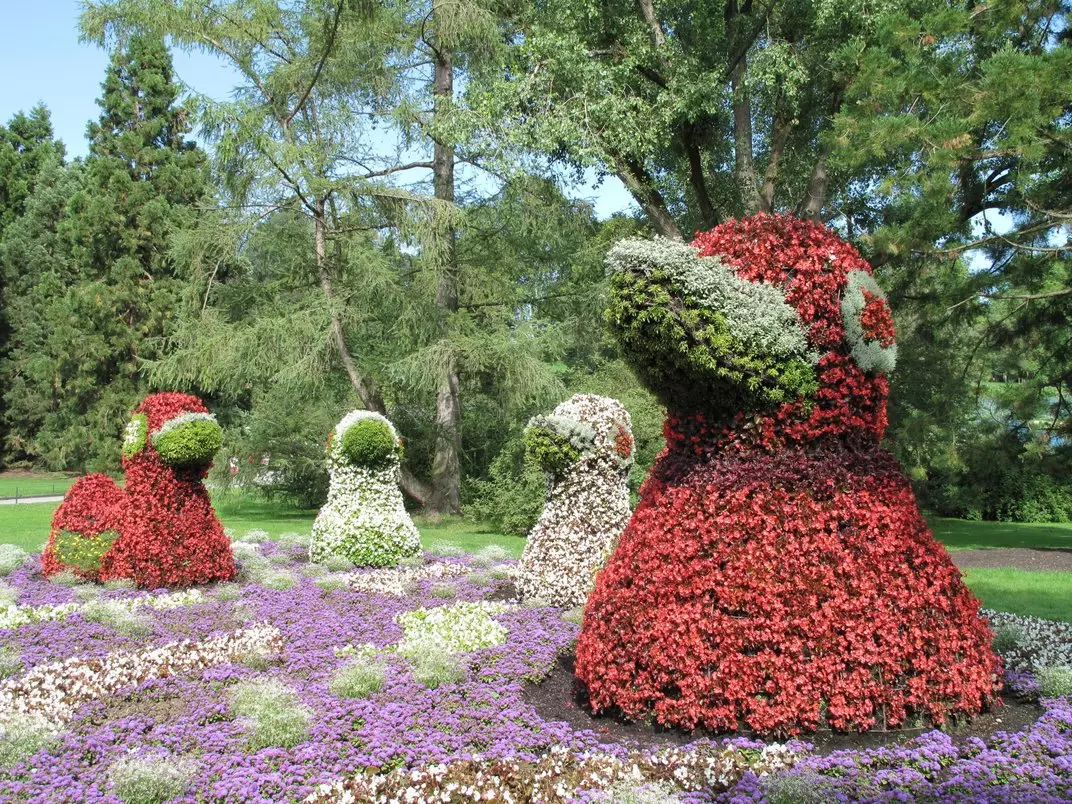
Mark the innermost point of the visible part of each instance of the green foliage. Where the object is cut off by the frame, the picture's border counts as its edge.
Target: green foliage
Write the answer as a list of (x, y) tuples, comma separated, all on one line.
[(370, 443), (688, 354), (272, 713), (84, 552), (136, 435), (113, 614), (191, 443), (10, 661), (434, 667), (512, 495), (555, 443), (359, 678), (11, 558), (100, 290), (796, 788), (1007, 637), (23, 736), (1054, 681), (150, 779)]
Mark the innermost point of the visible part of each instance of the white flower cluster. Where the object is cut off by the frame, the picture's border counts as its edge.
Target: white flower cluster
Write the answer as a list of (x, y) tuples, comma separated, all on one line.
[(396, 581), (13, 615), (461, 628), (869, 355), (55, 691), (364, 518), (560, 775), (178, 421), (1030, 643), (756, 313), (586, 511)]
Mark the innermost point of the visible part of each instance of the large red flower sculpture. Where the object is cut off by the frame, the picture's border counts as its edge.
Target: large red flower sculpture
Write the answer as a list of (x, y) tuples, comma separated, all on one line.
[(777, 574), (160, 529)]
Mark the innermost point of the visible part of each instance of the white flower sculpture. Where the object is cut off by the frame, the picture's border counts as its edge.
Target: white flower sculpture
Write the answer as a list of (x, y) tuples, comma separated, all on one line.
[(586, 447), (364, 519)]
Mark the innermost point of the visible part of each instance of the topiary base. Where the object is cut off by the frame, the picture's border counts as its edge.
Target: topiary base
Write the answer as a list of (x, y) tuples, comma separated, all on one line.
[(783, 593)]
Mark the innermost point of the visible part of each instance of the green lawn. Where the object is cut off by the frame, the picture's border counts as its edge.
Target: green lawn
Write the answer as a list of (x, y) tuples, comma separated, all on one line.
[(28, 525), (19, 484), (1039, 594), (960, 534)]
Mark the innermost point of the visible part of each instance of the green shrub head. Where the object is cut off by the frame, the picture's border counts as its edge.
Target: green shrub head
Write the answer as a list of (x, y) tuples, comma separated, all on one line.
[(370, 442), (188, 440), (555, 443), (700, 337)]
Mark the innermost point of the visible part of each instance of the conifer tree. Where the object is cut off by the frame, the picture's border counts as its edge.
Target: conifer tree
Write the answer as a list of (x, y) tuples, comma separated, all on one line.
[(27, 145), (142, 180)]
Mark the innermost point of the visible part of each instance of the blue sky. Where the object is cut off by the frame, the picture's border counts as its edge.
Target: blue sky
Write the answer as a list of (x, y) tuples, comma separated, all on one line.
[(42, 60)]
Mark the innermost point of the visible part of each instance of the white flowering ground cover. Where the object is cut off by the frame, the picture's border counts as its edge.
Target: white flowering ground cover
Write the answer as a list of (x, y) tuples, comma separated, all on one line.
[(304, 683)]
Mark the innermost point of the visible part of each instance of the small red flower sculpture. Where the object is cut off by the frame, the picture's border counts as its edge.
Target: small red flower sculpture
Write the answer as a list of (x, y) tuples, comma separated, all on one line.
[(777, 574), (160, 529)]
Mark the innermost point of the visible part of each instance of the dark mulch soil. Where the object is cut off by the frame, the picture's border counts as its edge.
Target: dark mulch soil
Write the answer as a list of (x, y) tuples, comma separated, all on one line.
[(558, 697), (504, 591), (1039, 559)]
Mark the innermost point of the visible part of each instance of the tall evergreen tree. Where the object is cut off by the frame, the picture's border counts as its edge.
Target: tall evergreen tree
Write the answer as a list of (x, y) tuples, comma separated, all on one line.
[(142, 181), (27, 144)]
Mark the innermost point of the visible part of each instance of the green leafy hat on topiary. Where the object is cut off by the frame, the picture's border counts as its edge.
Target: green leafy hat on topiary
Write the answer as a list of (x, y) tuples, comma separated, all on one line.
[(556, 442), (365, 438), (702, 337), (189, 439)]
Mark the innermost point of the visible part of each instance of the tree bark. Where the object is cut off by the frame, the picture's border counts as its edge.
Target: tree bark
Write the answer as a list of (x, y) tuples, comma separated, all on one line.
[(642, 188), (744, 169), (446, 463), (365, 389)]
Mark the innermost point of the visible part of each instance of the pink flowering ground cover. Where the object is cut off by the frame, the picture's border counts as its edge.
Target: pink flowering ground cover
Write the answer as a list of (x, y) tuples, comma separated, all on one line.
[(408, 741)]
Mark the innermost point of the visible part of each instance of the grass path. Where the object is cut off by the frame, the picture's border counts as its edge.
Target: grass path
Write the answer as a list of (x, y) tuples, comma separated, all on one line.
[(22, 484)]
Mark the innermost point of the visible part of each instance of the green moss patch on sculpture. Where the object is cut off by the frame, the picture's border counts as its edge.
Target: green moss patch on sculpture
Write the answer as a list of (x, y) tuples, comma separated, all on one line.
[(84, 552)]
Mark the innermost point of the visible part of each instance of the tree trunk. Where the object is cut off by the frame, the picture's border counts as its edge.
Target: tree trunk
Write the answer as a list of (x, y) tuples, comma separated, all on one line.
[(446, 465), (744, 169), (365, 389)]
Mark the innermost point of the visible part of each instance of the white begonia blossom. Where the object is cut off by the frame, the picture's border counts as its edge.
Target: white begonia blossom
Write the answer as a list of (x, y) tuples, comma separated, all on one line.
[(461, 628), (55, 691), (364, 518), (869, 355), (396, 580), (559, 775), (13, 615), (587, 508)]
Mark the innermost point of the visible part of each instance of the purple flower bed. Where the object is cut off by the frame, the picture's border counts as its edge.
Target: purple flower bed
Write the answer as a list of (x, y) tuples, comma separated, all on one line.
[(461, 731)]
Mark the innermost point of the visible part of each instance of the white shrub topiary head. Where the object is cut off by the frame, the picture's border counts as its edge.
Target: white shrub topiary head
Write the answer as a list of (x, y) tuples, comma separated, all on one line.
[(586, 446), (364, 520)]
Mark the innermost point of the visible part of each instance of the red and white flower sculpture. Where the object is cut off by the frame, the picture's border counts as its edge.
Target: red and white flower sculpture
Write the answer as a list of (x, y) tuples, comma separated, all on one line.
[(160, 529)]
